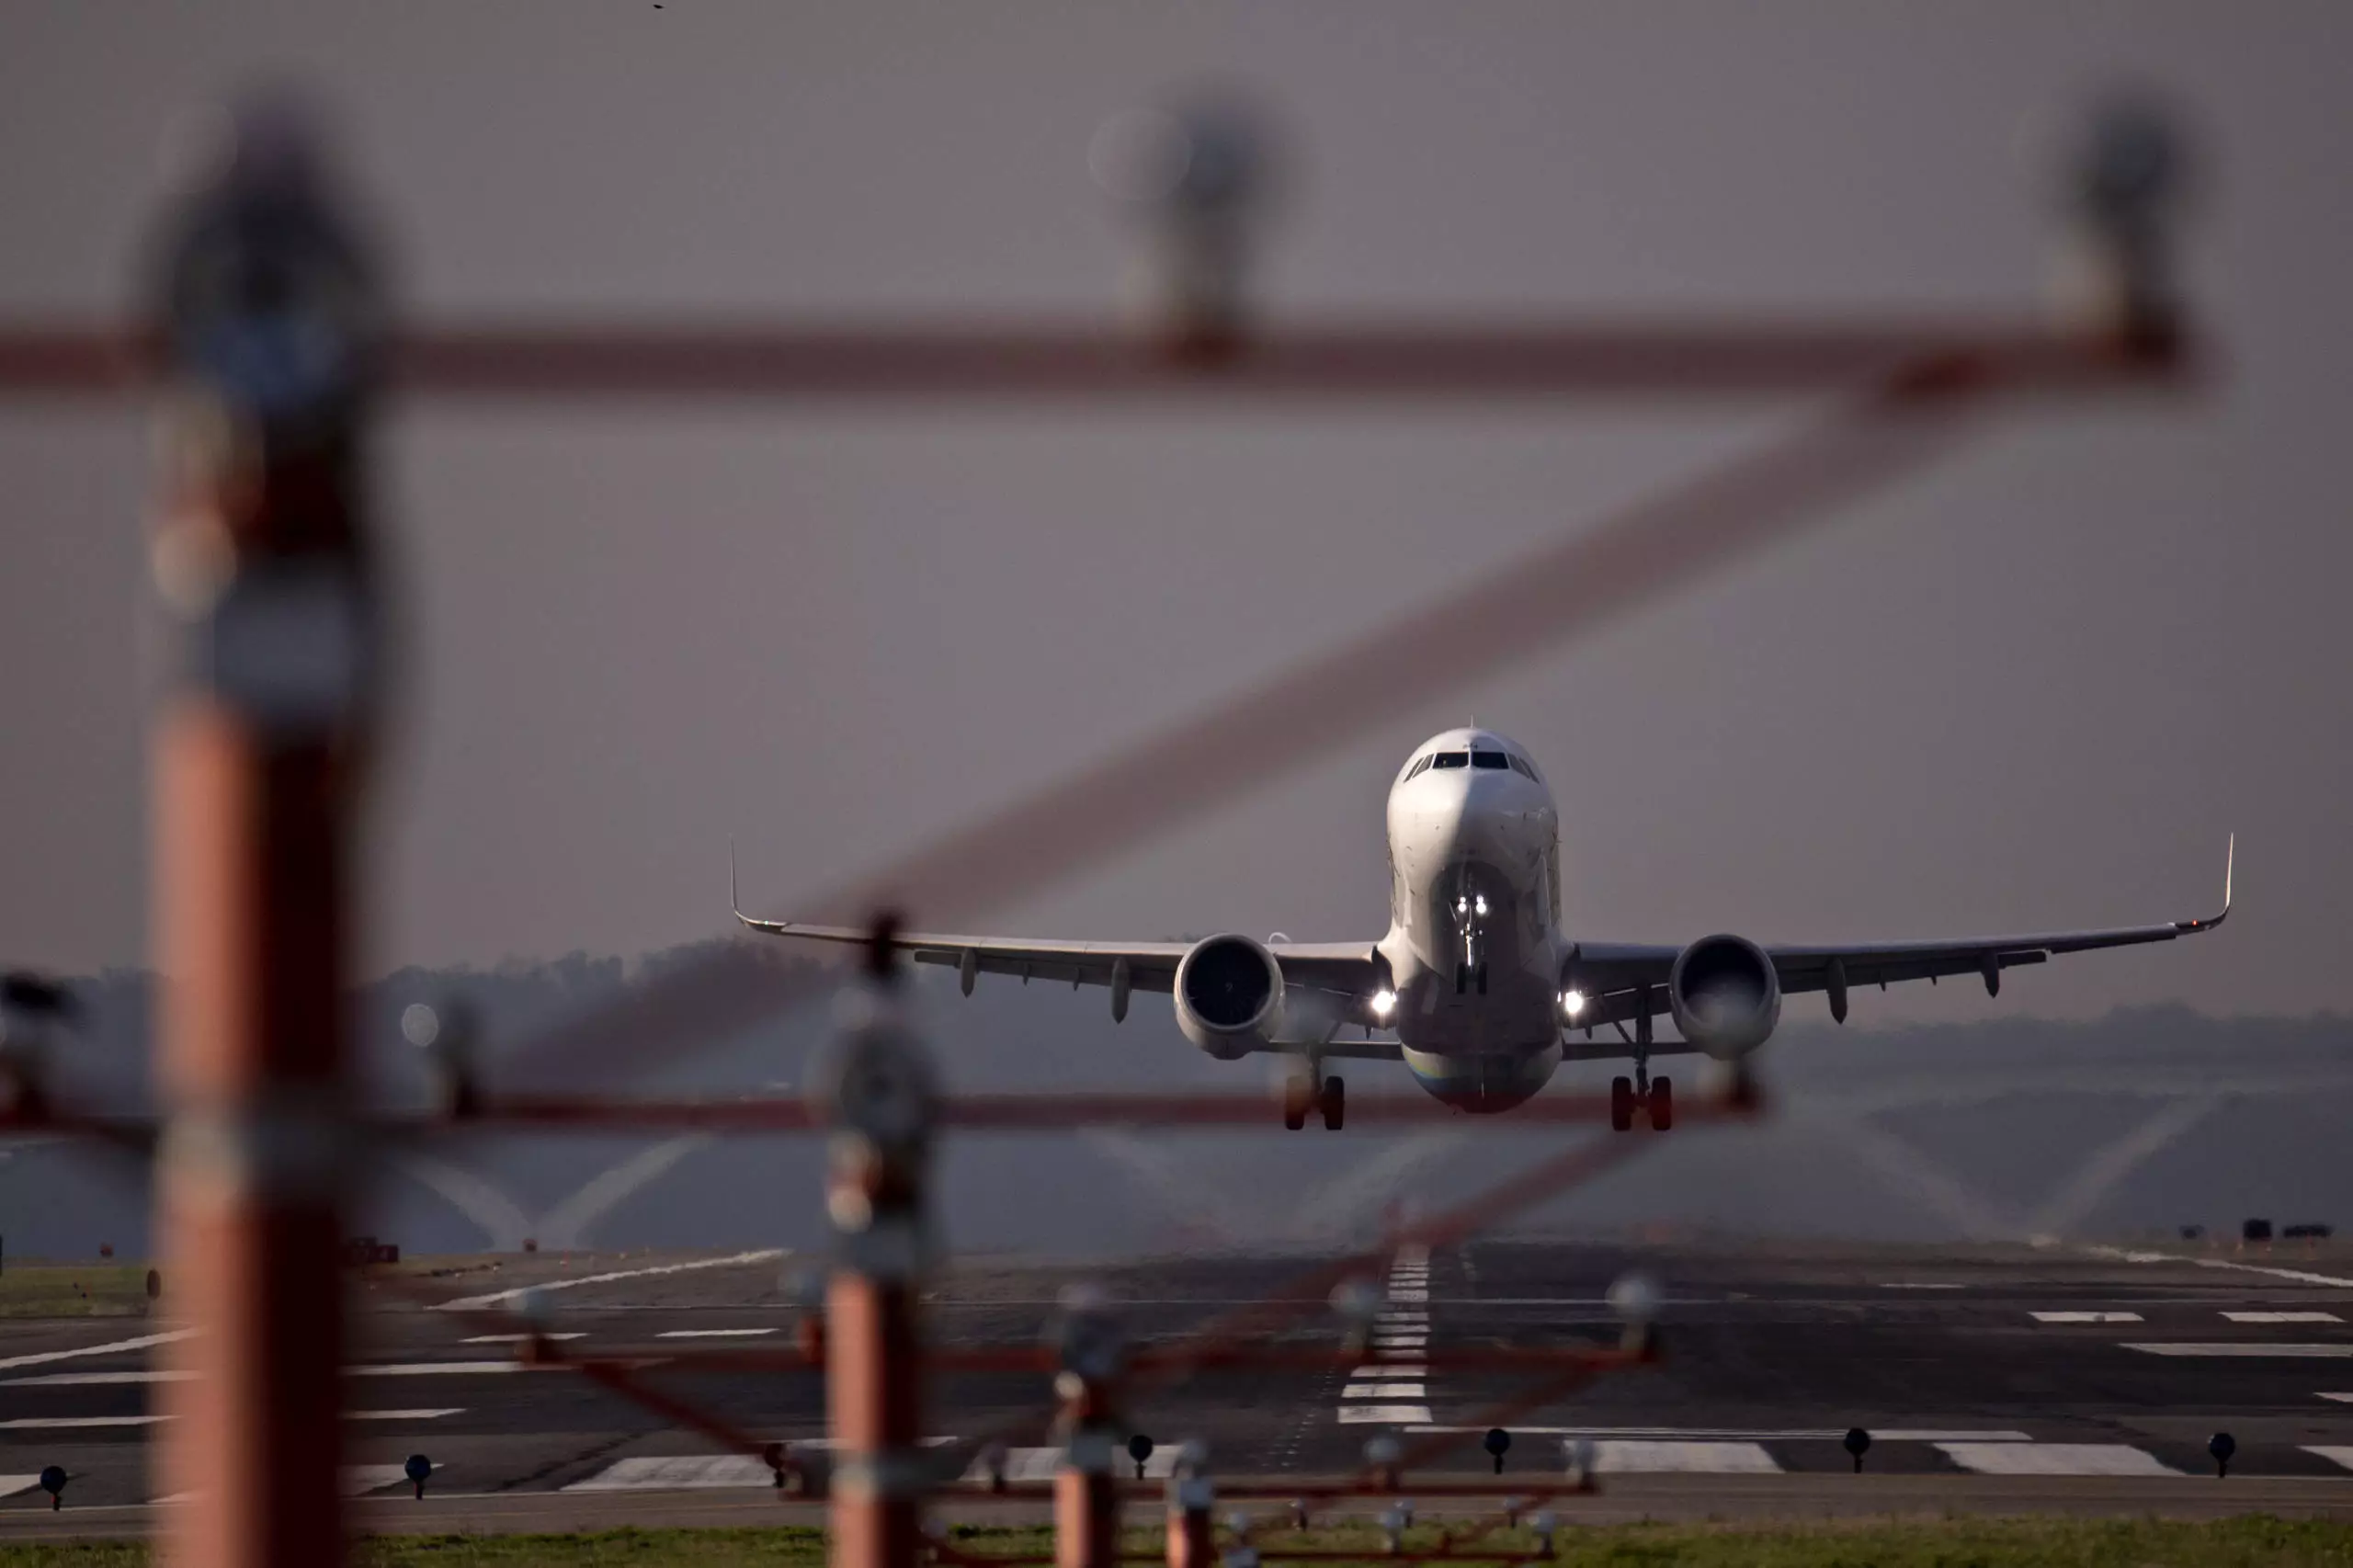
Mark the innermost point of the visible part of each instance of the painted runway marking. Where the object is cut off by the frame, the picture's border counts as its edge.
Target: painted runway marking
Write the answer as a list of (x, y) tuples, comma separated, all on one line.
[(712, 1333), (2339, 1397), (680, 1472), (2283, 1317), (359, 1480), (402, 1414), (2086, 1317), (12, 1484), (46, 1422), (433, 1369), (97, 1379), (141, 1343), (2054, 1458), (466, 1303), (516, 1338), (1635, 1455), (2300, 1275), (1918, 1285), (1756, 1435), (1043, 1464), (1384, 1414), (2334, 1453), (2241, 1347), (1385, 1391), (1394, 1369)]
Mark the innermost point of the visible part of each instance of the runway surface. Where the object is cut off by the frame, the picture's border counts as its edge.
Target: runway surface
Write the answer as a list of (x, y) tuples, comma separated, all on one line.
[(1996, 1379)]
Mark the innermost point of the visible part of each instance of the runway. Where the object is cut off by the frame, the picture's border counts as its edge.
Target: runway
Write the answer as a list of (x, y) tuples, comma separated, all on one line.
[(1997, 1379)]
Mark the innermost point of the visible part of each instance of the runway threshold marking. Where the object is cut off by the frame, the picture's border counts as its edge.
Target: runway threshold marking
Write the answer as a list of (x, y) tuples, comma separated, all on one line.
[(490, 1298), (713, 1333), (2335, 1454), (1625, 1456), (1394, 1385), (2283, 1317), (2054, 1458), (43, 1356), (2320, 1351), (2086, 1317), (12, 1484)]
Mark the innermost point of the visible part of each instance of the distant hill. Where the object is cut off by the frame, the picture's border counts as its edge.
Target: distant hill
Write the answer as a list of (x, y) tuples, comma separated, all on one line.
[(2142, 1120)]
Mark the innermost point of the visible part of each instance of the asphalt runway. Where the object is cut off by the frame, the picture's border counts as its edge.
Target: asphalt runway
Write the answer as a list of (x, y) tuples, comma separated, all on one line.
[(1994, 1379)]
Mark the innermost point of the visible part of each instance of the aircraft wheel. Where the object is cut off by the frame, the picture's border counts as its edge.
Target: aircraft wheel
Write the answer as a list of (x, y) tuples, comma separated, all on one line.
[(1621, 1104), (1662, 1104), (1297, 1094), (1335, 1103)]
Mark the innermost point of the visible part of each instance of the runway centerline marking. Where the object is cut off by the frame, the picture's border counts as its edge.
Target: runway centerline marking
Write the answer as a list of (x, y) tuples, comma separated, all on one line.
[(492, 1299), (2054, 1458), (2242, 1348), (712, 1333), (142, 1342), (2283, 1317), (2086, 1317)]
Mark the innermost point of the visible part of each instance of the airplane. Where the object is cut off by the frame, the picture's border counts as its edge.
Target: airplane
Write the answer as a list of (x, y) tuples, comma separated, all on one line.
[(1482, 989)]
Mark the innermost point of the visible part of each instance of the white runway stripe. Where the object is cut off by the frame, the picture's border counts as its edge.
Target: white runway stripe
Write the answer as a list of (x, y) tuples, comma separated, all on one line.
[(116, 1347), (402, 1414), (679, 1473), (1758, 1434), (2086, 1317), (2335, 1454), (713, 1333), (12, 1484), (1399, 1370), (96, 1380), (60, 1423), (433, 1369), (2054, 1458), (1384, 1414), (2339, 1397), (1386, 1391), (2283, 1317), (1622, 1456), (466, 1303), (359, 1480), (2243, 1347), (515, 1339)]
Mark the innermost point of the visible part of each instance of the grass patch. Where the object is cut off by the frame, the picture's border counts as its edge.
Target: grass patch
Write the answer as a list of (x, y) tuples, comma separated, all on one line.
[(2243, 1542), (73, 1290)]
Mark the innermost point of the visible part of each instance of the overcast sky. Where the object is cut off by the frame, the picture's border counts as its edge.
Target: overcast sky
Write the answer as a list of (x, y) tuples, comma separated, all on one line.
[(2036, 687)]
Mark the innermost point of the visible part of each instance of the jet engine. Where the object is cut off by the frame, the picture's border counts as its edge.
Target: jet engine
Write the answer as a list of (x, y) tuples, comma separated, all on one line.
[(1229, 994), (1725, 995)]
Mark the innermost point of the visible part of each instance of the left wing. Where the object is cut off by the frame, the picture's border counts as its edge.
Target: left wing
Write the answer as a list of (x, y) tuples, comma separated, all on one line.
[(1623, 981), (1346, 972)]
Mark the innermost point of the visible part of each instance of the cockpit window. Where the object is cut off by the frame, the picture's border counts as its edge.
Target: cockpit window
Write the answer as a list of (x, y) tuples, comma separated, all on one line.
[(1452, 759), (1490, 759), (1421, 766), (1520, 764)]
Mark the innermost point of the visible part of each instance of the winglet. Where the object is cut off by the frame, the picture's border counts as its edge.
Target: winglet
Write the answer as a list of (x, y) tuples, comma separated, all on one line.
[(734, 900), (2229, 858)]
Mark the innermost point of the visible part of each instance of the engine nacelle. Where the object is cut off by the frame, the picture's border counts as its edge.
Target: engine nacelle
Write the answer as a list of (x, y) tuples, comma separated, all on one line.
[(1229, 994), (1725, 995)]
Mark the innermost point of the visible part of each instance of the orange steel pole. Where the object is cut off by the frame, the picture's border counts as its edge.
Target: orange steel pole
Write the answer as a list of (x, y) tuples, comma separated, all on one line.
[(1087, 1487), (878, 1093), (260, 560)]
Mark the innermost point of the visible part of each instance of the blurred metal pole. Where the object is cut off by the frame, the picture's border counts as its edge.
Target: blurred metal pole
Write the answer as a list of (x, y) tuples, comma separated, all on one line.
[(1087, 1487), (260, 557), (880, 1094)]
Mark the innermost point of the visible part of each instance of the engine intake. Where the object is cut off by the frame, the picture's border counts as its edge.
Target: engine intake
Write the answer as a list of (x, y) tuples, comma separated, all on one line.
[(1229, 995), (1725, 995)]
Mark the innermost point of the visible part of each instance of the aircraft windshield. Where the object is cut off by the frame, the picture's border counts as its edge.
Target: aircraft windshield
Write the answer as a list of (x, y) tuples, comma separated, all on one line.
[(1453, 759), (1489, 759)]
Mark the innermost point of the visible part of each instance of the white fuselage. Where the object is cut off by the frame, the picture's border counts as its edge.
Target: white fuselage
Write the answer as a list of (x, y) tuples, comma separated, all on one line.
[(1475, 947)]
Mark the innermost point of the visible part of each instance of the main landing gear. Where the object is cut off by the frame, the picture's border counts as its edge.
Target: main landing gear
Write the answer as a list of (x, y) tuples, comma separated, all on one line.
[(1655, 1097), (1300, 1096)]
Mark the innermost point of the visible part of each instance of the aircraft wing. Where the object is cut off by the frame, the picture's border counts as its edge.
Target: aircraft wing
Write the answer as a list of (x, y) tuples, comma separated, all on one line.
[(1623, 980), (1345, 969)]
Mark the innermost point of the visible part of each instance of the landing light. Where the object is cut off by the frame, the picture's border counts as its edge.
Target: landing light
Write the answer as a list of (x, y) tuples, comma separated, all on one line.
[(1384, 1002), (1481, 906), (1572, 1003)]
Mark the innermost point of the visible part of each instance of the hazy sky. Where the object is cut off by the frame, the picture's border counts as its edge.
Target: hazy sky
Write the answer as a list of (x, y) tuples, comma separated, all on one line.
[(2035, 688)]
